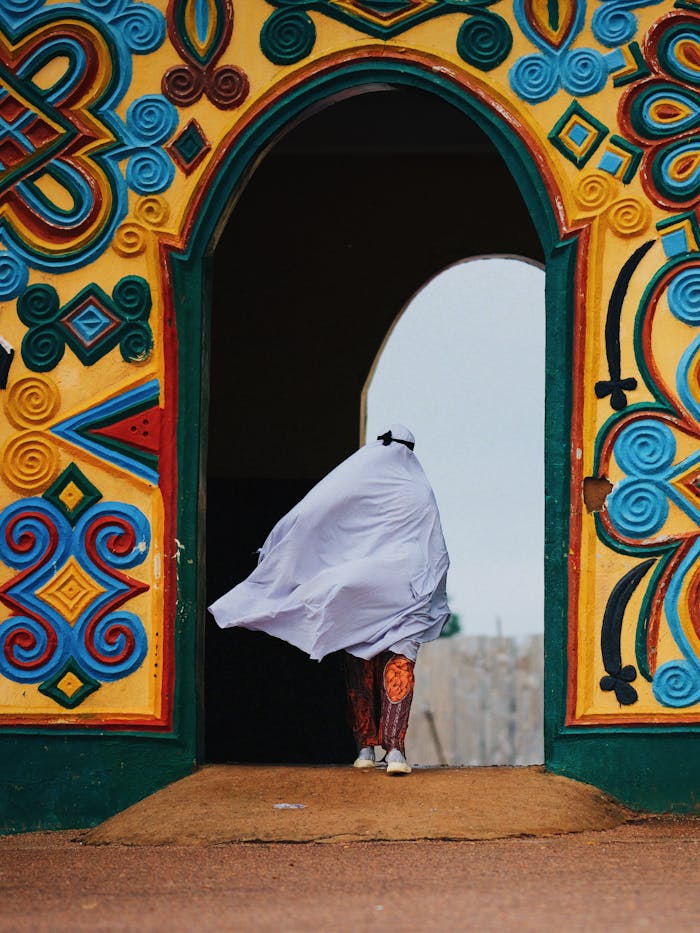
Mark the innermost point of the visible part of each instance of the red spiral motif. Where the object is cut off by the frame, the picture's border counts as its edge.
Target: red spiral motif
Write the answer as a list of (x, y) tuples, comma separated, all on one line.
[(227, 87), (110, 636), (27, 641), (183, 85), (26, 541), (120, 543)]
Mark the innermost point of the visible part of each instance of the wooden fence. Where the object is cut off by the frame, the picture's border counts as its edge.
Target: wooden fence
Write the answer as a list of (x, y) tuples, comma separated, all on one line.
[(478, 701)]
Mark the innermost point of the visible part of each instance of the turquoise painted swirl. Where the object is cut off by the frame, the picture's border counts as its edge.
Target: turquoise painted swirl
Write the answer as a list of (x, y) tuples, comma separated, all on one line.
[(637, 508), (152, 119), (684, 296), (14, 275), (149, 171), (534, 78), (583, 72), (677, 684), (645, 449)]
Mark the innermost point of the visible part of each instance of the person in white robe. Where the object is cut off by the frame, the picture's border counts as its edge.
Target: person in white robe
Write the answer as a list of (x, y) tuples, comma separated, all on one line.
[(360, 565)]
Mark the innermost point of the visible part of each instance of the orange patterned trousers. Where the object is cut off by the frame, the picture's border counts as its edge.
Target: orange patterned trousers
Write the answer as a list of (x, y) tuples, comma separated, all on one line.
[(380, 692)]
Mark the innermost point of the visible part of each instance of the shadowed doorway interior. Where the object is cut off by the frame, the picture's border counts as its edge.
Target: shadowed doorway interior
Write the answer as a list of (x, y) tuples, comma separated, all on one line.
[(341, 223)]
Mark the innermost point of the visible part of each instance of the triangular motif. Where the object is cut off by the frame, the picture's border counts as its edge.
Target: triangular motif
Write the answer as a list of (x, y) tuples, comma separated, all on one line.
[(123, 430)]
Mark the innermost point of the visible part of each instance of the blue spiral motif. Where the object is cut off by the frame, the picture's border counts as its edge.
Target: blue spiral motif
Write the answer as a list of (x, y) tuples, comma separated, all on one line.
[(613, 26), (122, 519), (152, 119), (28, 643), (637, 507), (534, 78), (677, 684), (582, 72), (26, 530), (142, 28), (645, 448), (108, 656), (14, 276), (684, 296), (149, 171)]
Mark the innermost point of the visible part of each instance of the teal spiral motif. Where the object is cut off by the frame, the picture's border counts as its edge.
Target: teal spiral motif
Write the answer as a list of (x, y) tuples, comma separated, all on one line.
[(484, 41), (14, 275), (38, 305), (133, 296), (638, 507), (43, 348), (647, 448), (287, 36), (137, 343), (582, 72), (684, 296)]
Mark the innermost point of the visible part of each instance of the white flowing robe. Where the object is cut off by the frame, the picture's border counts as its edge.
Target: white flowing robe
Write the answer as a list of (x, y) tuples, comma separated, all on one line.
[(359, 564)]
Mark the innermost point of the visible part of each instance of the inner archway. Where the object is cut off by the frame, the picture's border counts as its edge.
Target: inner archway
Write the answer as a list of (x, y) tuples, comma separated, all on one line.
[(343, 220)]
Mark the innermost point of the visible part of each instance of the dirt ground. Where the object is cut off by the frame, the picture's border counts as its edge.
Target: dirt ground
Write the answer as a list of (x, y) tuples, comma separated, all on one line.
[(248, 803), (641, 875)]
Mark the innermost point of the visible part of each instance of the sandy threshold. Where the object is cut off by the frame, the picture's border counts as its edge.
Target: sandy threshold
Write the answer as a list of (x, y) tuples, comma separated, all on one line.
[(239, 803)]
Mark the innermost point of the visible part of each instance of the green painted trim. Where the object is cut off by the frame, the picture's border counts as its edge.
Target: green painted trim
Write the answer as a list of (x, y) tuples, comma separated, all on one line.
[(656, 775), (560, 299)]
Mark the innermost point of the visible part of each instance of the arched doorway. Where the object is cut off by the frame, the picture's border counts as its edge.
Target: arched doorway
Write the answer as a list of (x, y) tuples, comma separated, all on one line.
[(363, 201)]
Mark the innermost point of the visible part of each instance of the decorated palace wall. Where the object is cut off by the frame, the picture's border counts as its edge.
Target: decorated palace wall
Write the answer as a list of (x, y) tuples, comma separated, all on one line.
[(127, 131)]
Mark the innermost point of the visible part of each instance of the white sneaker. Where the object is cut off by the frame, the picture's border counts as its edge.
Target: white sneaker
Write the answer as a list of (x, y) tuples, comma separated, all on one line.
[(396, 764), (365, 759)]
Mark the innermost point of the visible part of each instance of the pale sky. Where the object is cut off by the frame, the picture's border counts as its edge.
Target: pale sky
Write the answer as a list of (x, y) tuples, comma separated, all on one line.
[(464, 369)]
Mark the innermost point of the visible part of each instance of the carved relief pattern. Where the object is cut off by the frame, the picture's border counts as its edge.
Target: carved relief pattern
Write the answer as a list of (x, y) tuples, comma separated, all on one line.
[(67, 630), (655, 508), (200, 30), (662, 113), (100, 141), (62, 191), (91, 324), (484, 40)]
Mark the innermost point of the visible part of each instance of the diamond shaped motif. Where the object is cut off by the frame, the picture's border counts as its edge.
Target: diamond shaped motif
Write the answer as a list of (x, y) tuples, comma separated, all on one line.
[(69, 686), (189, 147), (72, 493), (71, 591), (620, 159), (577, 134), (90, 322)]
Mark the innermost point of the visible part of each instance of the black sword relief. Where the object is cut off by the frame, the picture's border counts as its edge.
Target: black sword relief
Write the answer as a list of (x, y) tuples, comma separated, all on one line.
[(616, 387), (617, 677), (7, 354)]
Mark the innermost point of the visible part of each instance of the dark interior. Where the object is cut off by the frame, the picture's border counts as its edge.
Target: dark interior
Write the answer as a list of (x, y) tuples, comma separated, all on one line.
[(348, 215)]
